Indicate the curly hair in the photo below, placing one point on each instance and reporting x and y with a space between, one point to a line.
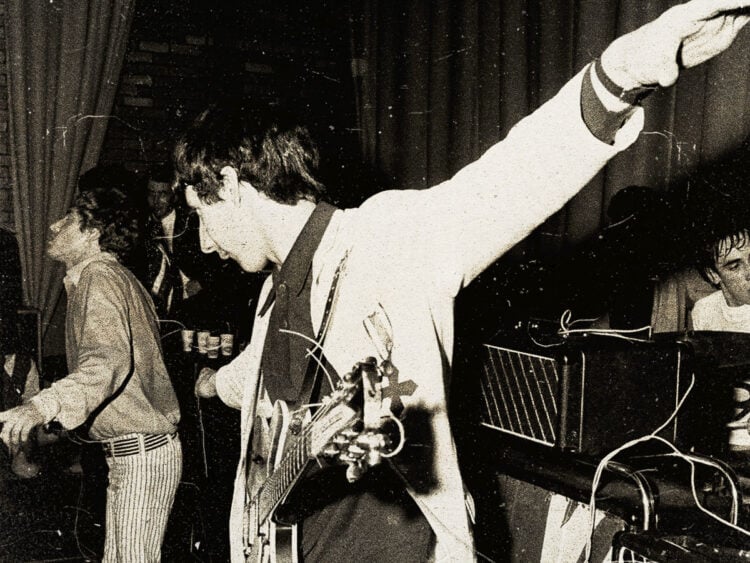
109 209
273 153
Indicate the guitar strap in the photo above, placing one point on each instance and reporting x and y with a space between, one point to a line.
312 382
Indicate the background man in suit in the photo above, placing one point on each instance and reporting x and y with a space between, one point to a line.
175 270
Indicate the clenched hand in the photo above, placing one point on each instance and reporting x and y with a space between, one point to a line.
17 423
687 35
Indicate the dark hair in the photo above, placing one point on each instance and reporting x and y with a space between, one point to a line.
108 207
161 173
724 227
273 153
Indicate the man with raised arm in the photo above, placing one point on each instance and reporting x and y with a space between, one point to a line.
382 278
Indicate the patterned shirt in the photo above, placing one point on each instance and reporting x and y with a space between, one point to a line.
117 374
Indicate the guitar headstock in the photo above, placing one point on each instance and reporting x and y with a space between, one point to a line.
362 440
340 410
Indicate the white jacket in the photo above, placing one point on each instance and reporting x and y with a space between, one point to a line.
409 253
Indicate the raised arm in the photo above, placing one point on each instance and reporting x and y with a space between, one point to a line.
469 221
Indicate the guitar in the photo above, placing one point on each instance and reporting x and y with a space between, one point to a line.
347 428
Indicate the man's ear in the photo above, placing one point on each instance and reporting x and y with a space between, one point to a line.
230 185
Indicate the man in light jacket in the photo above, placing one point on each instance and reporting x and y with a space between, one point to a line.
382 278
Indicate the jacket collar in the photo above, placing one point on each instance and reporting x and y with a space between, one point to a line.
73 275
296 268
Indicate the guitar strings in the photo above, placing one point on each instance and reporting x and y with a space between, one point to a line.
325 408
283 465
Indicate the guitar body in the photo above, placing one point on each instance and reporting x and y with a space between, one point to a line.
273 542
281 452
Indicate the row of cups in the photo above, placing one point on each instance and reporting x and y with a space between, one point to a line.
206 343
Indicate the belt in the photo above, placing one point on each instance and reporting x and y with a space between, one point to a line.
135 444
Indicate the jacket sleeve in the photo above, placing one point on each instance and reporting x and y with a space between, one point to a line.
232 379
459 227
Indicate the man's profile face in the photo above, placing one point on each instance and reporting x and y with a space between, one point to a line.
227 230
732 272
68 241
160 198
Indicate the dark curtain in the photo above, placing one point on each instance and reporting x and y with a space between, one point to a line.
439 82
64 61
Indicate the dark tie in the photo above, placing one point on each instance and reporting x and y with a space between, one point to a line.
172 282
285 354
288 370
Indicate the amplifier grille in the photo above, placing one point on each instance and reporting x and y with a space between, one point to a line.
519 391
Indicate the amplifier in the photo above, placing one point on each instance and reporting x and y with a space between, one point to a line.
593 393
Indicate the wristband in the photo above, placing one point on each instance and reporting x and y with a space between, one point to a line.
631 97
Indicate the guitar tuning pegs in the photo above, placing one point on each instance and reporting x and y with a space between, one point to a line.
356 450
354 472
373 458
295 425
350 433
388 369
340 440
369 361
331 451
346 457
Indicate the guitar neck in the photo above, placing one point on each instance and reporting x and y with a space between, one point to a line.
330 419
280 482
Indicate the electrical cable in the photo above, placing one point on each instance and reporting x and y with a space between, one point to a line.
203 435
78 510
677 453
402 436
165 321
311 353
607 458
566 323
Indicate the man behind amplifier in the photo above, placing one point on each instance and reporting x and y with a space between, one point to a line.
117 381
400 260
724 259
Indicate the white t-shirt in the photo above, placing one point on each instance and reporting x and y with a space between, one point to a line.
713 313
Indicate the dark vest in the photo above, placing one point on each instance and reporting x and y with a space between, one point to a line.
284 361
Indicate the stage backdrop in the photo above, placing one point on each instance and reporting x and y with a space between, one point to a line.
64 61
439 82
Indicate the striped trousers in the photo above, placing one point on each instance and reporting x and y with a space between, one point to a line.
140 494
